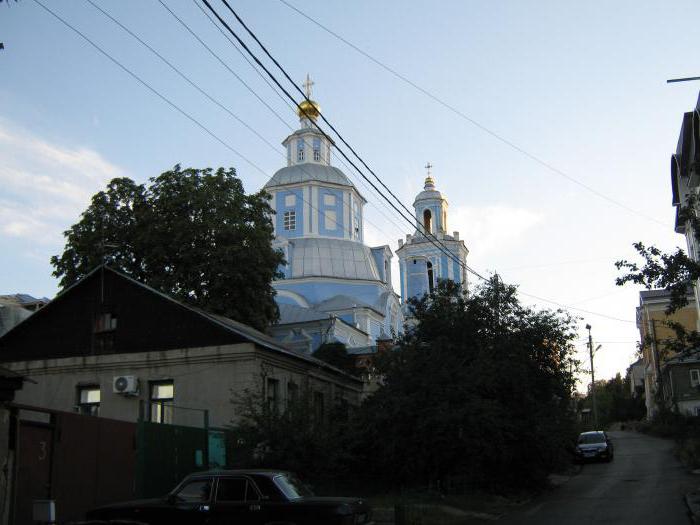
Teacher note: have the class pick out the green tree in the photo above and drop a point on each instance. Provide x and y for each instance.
(478, 391)
(193, 234)
(336, 354)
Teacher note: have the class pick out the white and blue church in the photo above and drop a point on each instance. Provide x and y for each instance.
(334, 287)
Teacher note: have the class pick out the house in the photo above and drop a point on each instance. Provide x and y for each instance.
(17, 307)
(114, 347)
(657, 338)
(681, 381)
(636, 375)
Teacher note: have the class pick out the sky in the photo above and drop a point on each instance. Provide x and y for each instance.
(580, 86)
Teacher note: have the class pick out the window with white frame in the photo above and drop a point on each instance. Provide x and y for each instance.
(290, 200)
(328, 199)
(89, 400)
(290, 220)
(317, 150)
(695, 377)
(162, 397)
(300, 150)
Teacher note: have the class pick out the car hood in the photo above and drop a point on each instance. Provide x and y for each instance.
(592, 446)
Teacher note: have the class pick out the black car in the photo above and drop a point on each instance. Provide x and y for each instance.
(250, 497)
(594, 445)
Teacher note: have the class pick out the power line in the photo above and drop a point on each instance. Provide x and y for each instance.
(427, 234)
(149, 87)
(473, 121)
(168, 101)
(250, 89)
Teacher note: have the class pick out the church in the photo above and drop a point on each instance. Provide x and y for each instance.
(334, 287)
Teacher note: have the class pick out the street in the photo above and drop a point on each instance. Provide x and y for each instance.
(643, 484)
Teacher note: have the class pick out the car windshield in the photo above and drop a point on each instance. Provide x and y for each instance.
(587, 439)
(291, 486)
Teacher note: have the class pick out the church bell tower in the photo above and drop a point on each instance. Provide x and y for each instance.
(421, 263)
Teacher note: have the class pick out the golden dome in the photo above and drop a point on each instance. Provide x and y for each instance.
(309, 109)
(429, 182)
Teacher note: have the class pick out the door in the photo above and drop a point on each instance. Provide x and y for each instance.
(191, 504)
(33, 468)
(237, 501)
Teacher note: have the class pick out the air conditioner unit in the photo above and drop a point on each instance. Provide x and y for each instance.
(127, 385)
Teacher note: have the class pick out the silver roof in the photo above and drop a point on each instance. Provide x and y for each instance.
(306, 172)
(428, 194)
(323, 257)
(291, 314)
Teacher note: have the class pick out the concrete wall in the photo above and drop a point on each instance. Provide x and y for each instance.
(204, 378)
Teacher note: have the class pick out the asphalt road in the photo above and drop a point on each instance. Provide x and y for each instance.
(643, 484)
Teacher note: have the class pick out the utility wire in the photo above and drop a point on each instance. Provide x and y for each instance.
(149, 87)
(249, 88)
(428, 235)
(473, 121)
(168, 101)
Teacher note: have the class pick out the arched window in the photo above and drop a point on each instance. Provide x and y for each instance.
(427, 220)
(431, 286)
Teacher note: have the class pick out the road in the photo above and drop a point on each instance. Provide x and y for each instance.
(644, 484)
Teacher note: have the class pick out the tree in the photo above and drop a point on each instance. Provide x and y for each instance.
(479, 391)
(193, 234)
(675, 272)
(336, 354)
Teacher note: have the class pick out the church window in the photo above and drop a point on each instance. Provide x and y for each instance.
(329, 200)
(300, 150)
(290, 220)
(328, 153)
(289, 200)
(289, 152)
(330, 220)
(317, 150)
(427, 221)
(431, 285)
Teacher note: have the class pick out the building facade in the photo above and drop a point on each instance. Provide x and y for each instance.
(430, 253)
(656, 338)
(112, 347)
(334, 287)
(685, 187)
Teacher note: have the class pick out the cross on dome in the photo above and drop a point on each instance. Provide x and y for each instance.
(307, 84)
(429, 182)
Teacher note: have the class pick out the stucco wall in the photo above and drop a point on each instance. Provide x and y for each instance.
(204, 378)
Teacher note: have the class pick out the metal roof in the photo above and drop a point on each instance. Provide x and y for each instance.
(291, 313)
(307, 172)
(324, 257)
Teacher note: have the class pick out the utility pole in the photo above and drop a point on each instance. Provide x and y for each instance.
(595, 405)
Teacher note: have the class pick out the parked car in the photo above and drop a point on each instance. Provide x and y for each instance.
(254, 497)
(594, 445)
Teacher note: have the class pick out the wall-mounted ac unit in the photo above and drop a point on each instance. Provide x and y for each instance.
(127, 385)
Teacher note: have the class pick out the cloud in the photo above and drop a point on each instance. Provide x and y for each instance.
(44, 186)
(492, 229)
